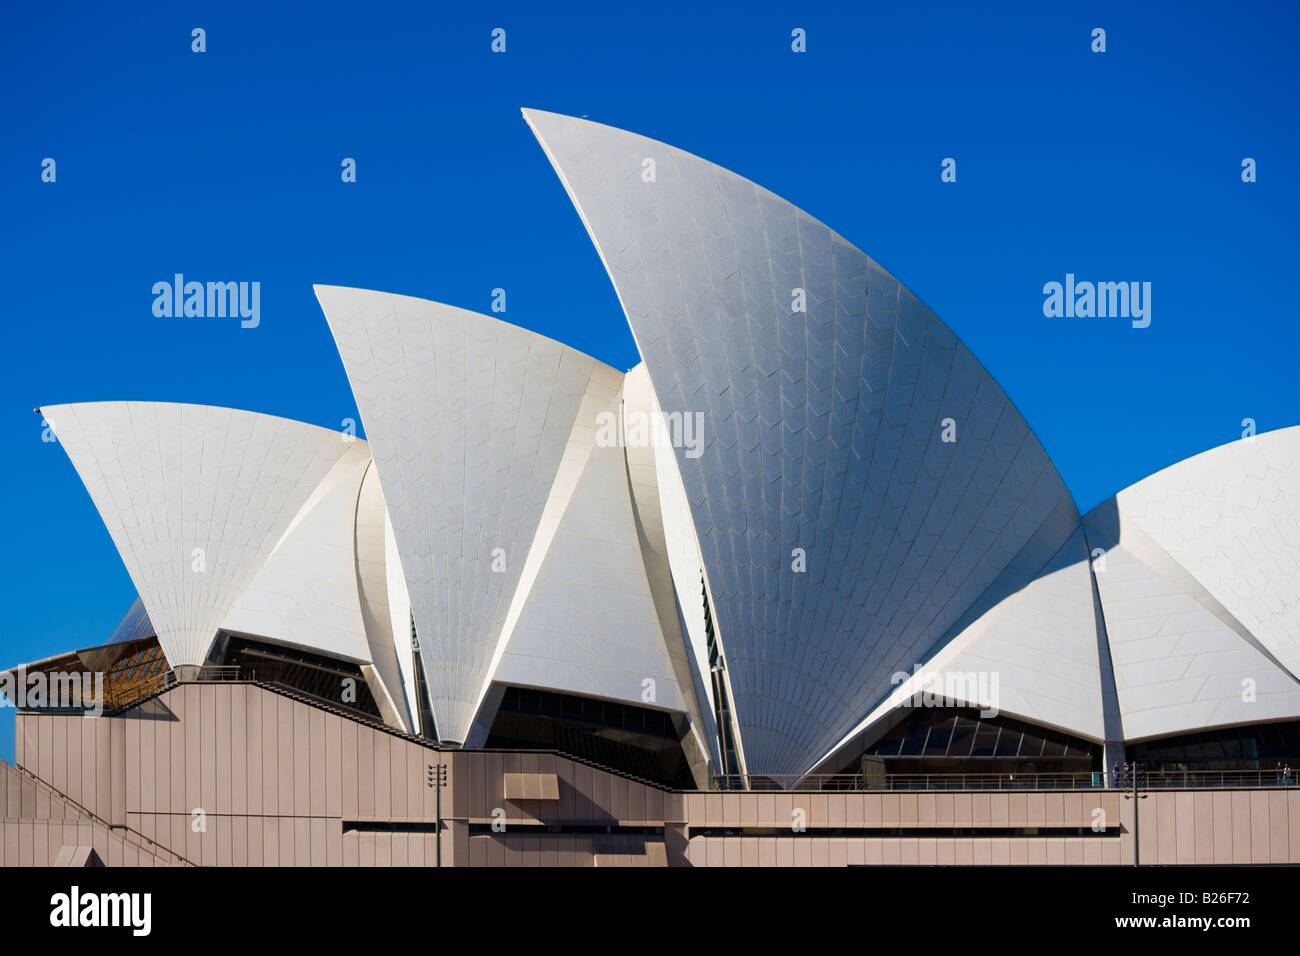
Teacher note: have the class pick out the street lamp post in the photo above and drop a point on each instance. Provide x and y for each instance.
(437, 779)
(1135, 797)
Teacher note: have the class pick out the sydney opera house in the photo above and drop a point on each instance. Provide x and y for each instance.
(802, 587)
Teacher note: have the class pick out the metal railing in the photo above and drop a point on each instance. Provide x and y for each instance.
(116, 699)
(1145, 780)
(215, 672)
(129, 834)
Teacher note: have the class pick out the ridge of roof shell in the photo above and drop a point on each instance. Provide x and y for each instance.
(1243, 446)
(468, 314)
(46, 411)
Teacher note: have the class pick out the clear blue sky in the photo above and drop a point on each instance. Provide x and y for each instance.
(225, 166)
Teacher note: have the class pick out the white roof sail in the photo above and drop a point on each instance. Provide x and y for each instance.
(589, 622)
(825, 388)
(1231, 517)
(672, 553)
(195, 498)
(1198, 588)
(467, 418)
(306, 593)
(384, 607)
(1034, 653)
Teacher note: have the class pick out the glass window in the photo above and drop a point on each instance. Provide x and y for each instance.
(1232, 746)
(1009, 743)
(1031, 745)
(940, 734)
(914, 740)
(986, 740)
(888, 745)
(1053, 746)
(963, 735)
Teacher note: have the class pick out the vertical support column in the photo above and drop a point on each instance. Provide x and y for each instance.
(117, 769)
(1128, 833)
